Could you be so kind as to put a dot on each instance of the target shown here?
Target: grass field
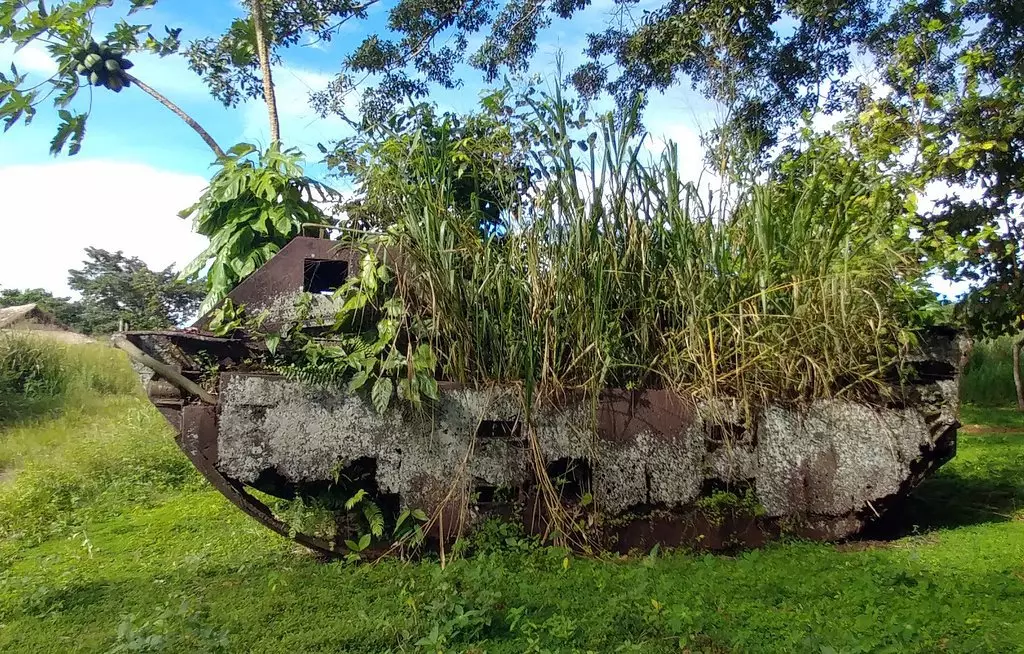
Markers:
(111, 542)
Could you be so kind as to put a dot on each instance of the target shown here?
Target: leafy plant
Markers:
(253, 206)
(368, 345)
(32, 374)
(227, 318)
(609, 271)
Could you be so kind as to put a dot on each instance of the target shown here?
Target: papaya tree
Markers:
(82, 65)
(256, 202)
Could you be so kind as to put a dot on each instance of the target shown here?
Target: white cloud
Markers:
(33, 58)
(53, 212)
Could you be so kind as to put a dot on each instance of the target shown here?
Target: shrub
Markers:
(32, 376)
(988, 376)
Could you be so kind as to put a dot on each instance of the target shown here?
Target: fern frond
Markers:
(374, 518)
(355, 499)
(321, 374)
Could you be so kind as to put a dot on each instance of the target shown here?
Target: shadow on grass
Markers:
(984, 483)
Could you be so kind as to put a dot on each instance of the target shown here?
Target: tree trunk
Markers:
(189, 120)
(263, 52)
(1017, 381)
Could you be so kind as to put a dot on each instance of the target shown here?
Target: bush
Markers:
(32, 376)
(988, 376)
(39, 375)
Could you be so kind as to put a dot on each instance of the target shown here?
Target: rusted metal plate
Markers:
(623, 415)
(286, 274)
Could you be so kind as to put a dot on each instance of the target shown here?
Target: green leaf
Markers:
(407, 392)
(383, 388)
(424, 359)
(355, 499)
(354, 303)
(139, 5)
(374, 518)
(394, 307)
(72, 127)
(272, 341)
(354, 546)
(358, 381)
(428, 386)
(402, 517)
(364, 542)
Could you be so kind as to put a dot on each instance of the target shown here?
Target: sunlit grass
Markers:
(109, 539)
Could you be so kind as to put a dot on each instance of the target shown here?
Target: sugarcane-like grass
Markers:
(610, 270)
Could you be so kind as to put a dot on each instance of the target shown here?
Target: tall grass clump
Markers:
(40, 375)
(607, 269)
(32, 377)
(988, 376)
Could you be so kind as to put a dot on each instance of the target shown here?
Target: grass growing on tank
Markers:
(110, 542)
(608, 270)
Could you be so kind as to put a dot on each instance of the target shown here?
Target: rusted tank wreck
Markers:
(626, 470)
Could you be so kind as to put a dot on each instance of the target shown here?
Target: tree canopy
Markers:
(116, 291)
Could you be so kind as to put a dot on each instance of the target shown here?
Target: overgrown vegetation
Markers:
(606, 270)
(111, 542)
(38, 375)
(988, 376)
(255, 204)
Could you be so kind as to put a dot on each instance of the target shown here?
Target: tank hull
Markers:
(625, 470)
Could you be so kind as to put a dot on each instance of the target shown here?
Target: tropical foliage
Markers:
(255, 203)
(607, 270)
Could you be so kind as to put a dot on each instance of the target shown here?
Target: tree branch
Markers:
(179, 112)
(1018, 382)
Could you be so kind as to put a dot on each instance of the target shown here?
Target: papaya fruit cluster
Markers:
(103, 66)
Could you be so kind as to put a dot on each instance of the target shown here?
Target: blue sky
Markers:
(140, 164)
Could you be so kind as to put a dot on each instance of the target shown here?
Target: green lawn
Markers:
(109, 541)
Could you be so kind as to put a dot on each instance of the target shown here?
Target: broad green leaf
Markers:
(428, 386)
(358, 380)
(272, 341)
